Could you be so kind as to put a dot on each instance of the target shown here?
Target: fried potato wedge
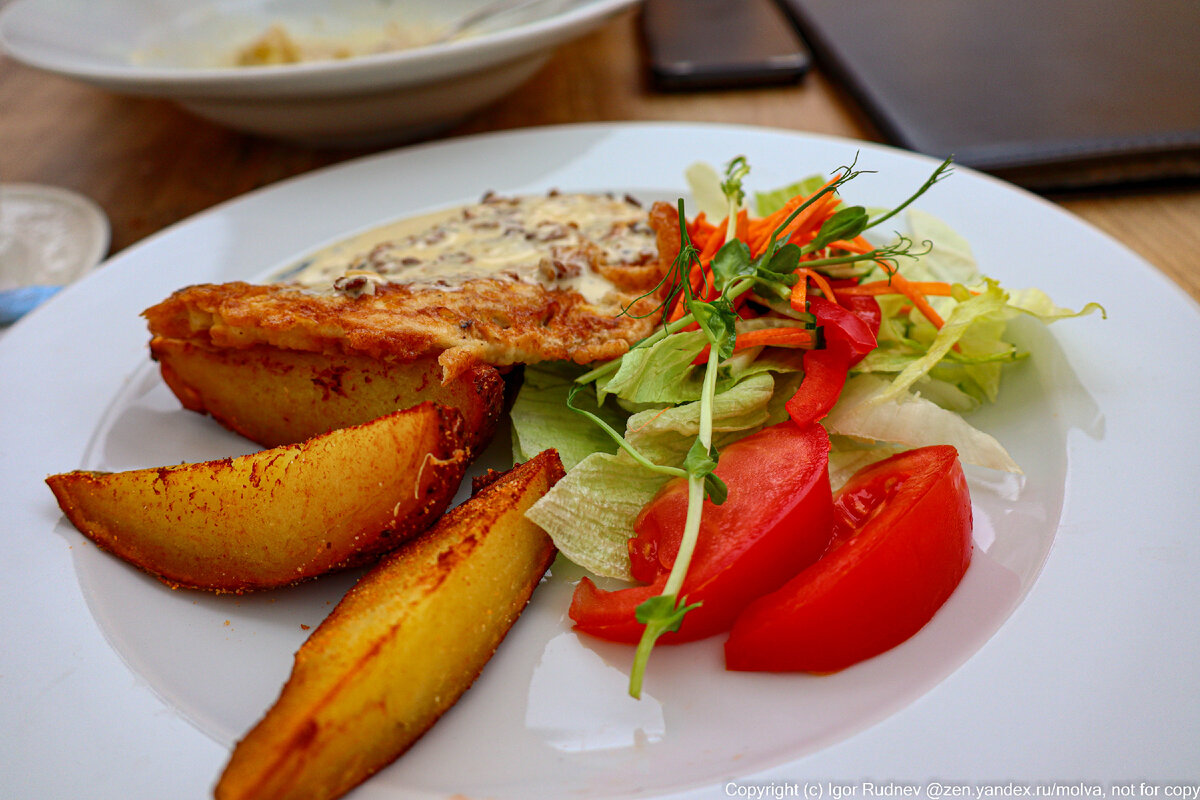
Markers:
(273, 396)
(401, 647)
(278, 516)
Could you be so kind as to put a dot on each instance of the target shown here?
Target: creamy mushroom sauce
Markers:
(543, 240)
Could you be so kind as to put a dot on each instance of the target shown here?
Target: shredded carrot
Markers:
(927, 288)
(800, 230)
(703, 235)
(799, 298)
(698, 275)
(714, 242)
(898, 284)
(773, 337)
(679, 309)
(820, 209)
(804, 228)
(776, 337)
(762, 227)
(756, 233)
(821, 283)
(904, 287)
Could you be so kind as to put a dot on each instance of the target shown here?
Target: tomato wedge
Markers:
(901, 544)
(776, 521)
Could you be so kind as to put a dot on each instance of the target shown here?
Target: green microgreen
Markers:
(660, 614)
(622, 442)
(675, 280)
(943, 171)
(701, 462)
(731, 262)
(735, 171)
(845, 224)
(717, 319)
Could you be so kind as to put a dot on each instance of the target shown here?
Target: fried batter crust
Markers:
(497, 322)
(494, 320)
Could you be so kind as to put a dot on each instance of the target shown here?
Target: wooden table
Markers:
(149, 164)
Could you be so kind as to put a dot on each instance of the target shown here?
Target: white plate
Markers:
(1067, 655)
(174, 48)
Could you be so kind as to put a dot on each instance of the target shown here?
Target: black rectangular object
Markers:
(721, 44)
(1050, 94)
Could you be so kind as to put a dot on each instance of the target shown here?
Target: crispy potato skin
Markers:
(278, 516)
(275, 397)
(400, 648)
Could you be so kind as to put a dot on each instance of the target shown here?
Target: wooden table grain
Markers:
(150, 164)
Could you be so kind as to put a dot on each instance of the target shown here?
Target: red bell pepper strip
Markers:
(849, 336)
(867, 309)
(776, 520)
(825, 373)
(901, 544)
(844, 327)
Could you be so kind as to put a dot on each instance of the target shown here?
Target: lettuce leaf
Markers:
(959, 366)
(660, 373)
(1037, 303)
(847, 456)
(663, 373)
(869, 408)
(665, 436)
(705, 184)
(590, 512)
(978, 307)
(540, 418)
(950, 258)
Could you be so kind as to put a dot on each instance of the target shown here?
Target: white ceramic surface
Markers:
(1067, 655)
(174, 49)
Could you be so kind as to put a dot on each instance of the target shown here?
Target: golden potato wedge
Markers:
(277, 516)
(275, 397)
(401, 647)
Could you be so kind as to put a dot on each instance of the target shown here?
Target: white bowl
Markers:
(183, 50)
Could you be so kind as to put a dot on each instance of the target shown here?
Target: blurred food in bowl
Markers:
(336, 72)
(278, 46)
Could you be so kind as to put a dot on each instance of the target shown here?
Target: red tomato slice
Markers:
(776, 521)
(902, 541)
